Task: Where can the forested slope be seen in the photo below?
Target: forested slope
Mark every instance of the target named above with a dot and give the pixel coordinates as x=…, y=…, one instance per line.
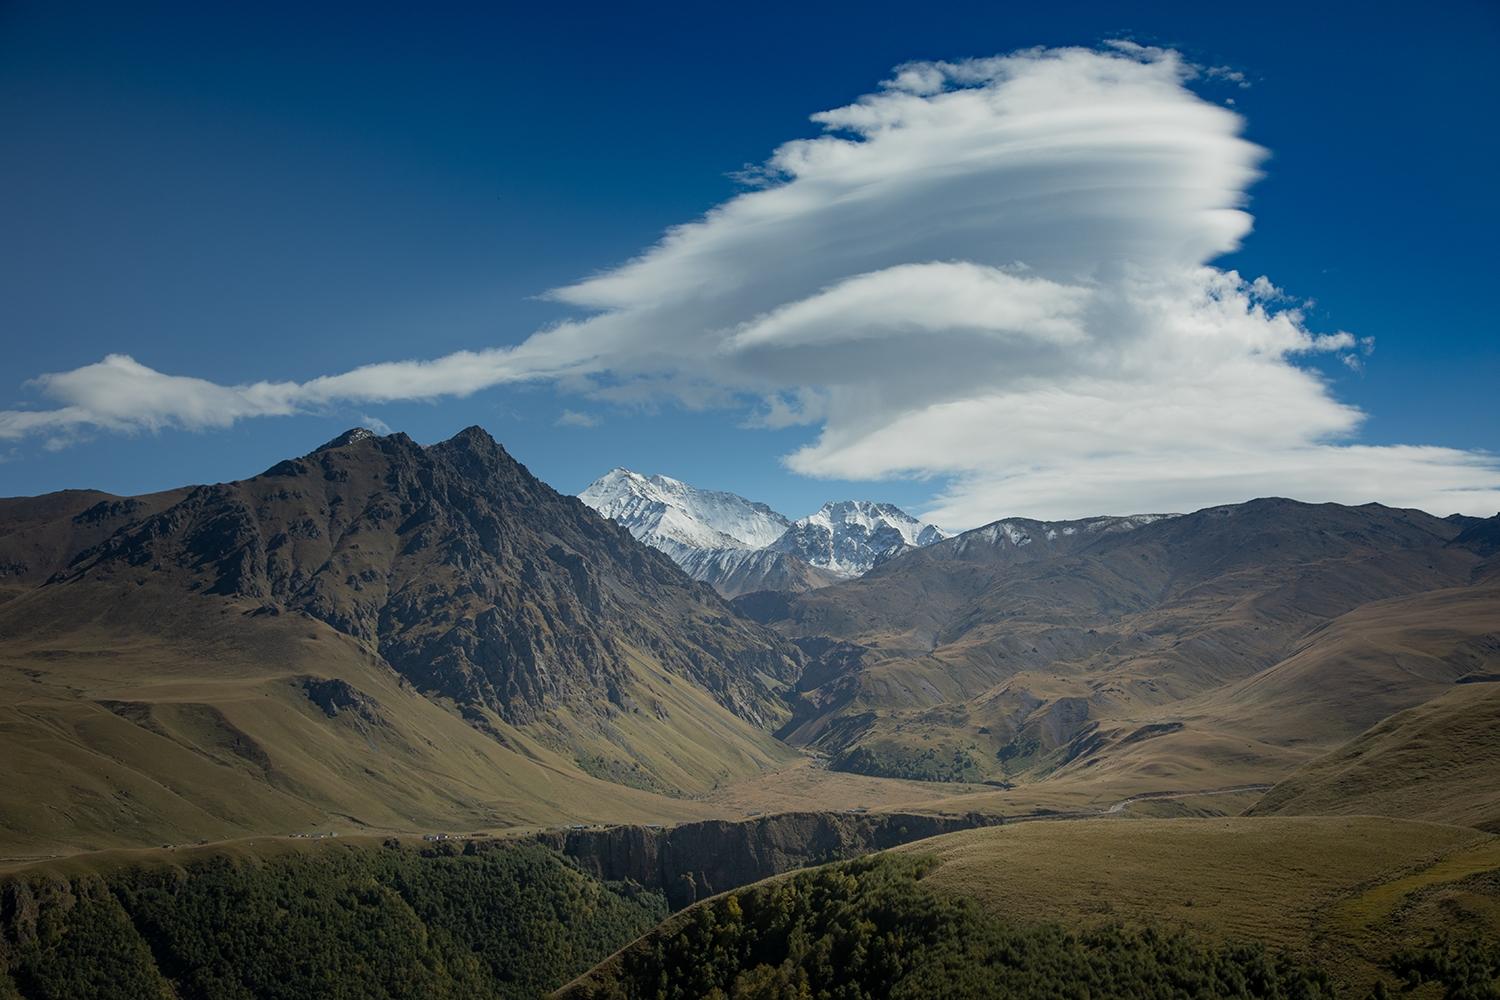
x=503, y=920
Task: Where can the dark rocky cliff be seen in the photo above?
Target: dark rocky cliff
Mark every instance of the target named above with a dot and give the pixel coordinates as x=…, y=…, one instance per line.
x=696, y=860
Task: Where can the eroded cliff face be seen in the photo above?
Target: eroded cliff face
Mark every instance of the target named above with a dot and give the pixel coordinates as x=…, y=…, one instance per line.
x=696, y=860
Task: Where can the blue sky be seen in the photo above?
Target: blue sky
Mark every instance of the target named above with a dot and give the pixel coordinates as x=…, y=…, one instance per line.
x=271, y=194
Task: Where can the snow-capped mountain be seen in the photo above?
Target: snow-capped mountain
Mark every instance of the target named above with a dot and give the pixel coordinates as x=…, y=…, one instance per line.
x=739, y=546
x=851, y=537
x=682, y=520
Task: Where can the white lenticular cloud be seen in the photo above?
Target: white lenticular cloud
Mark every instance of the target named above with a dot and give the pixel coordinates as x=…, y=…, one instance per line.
x=997, y=271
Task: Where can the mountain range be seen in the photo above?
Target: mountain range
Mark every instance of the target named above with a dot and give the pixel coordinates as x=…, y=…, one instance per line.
x=382, y=635
x=739, y=546
x=1226, y=644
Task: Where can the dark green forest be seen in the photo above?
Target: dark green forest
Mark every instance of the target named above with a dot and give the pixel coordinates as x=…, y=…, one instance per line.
x=927, y=764
x=869, y=929
x=363, y=923
x=1466, y=967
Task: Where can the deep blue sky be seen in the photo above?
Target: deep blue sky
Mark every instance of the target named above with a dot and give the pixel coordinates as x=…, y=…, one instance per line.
x=264, y=192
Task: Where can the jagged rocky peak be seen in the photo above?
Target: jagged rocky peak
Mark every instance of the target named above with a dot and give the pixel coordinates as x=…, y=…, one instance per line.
x=851, y=537
x=475, y=580
x=353, y=435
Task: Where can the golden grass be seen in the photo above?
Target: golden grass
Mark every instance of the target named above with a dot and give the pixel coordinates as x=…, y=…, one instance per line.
x=807, y=784
x=204, y=733
x=1326, y=886
x=1381, y=901
x=1438, y=762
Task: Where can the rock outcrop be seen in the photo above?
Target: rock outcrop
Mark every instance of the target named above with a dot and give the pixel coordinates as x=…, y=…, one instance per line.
x=696, y=860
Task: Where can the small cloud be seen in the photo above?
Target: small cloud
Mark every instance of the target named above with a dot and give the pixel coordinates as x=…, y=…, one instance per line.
x=375, y=424
x=1352, y=362
x=1340, y=341
x=1145, y=53
x=573, y=418
x=1228, y=74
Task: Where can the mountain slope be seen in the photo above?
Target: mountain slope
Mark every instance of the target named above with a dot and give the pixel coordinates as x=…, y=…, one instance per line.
x=1436, y=762
x=476, y=581
x=326, y=631
x=983, y=658
x=39, y=536
x=920, y=592
x=736, y=572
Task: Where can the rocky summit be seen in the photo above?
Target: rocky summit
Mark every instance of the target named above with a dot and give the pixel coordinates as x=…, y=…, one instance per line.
x=473, y=579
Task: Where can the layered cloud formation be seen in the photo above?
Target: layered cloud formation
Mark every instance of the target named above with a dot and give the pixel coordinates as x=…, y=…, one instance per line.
x=996, y=271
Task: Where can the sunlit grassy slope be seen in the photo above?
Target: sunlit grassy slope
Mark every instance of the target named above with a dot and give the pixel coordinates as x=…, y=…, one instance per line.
x=1439, y=761
x=1345, y=891
x=203, y=728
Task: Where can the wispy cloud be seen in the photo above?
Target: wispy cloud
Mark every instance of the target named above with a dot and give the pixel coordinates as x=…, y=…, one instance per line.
x=375, y=424
x=995, y=270
x=576, y=418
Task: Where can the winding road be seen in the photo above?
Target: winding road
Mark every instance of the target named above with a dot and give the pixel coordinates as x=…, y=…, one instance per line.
x=1148, y=796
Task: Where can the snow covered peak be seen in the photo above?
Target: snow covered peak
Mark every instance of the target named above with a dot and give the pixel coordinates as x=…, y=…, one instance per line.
x=851, y=537
x=738, y=545
x=871, y=516
x=673, y=516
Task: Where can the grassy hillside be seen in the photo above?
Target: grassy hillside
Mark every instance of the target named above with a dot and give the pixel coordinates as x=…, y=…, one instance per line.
x=1348, y=893
x=213, y=726
x=1437, y=762
x=1344, y=676
x=510, y=920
